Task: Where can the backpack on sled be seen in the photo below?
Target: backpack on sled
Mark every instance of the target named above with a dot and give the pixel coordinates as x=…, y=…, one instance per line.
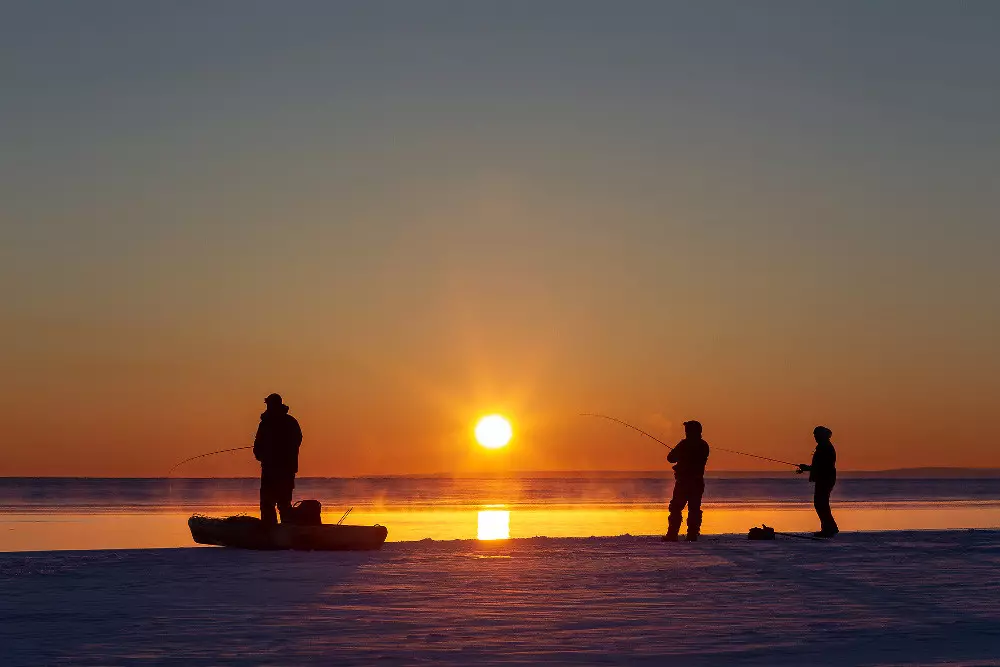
x=306, y=513
x=762, y=533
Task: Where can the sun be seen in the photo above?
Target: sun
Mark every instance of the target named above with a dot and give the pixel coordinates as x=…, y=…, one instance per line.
x=493, y=432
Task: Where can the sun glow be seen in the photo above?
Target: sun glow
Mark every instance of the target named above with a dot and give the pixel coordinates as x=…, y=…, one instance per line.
x=493, y=432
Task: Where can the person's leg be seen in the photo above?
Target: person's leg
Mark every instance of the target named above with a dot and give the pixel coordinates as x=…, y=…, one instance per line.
x=267, y=513
x=677, y=502
x=821, y=501
x=694, y=510
x=284, y=502
x=829, y=524
x=818, y=502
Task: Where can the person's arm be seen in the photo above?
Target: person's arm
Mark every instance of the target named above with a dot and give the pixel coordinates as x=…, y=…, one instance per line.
x=675, y=454
x=825, y=460
x=806, y=467
x=258, y=444
x=293, y=442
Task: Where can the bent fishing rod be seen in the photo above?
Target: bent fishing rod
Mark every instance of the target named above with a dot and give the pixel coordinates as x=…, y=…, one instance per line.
x=653, y=437
x=201, y=456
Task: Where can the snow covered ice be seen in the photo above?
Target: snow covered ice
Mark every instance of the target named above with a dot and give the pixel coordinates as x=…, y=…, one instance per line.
x=891, y=598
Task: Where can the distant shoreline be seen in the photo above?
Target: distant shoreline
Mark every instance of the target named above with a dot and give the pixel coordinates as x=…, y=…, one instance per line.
x=894, y=473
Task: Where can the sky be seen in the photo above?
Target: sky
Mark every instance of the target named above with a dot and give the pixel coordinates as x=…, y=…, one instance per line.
x=403, y=216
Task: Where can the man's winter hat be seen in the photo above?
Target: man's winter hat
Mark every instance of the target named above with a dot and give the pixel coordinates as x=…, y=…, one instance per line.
x=822, y=432
x=693, y=425
x=273, y=399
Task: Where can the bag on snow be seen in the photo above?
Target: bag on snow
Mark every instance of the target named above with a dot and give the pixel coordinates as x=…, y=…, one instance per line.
x=762, y=533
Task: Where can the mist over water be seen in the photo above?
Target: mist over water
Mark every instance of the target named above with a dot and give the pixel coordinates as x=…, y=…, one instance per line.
x=65, y=494
x=74, y=513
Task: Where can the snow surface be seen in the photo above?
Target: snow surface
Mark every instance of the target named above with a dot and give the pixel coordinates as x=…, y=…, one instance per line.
x=893, y=598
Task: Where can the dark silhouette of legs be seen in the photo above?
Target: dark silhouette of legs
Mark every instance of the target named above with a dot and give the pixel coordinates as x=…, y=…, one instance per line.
x=284, y=507
x=275, y=492
x=821, y=501
x=685, y=493
x=267, y=503
x=694, y=510
x=677, y=502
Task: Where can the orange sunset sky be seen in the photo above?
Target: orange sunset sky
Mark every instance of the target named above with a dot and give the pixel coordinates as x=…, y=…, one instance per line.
x=403, y=220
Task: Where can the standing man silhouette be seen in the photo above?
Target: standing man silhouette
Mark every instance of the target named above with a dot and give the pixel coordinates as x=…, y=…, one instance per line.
x=276, y=446
x=689, y=457
x=823, y=473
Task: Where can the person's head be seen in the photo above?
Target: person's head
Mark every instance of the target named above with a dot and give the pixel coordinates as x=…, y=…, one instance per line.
x=822, y=434
x=692, y=429
x=273, y=401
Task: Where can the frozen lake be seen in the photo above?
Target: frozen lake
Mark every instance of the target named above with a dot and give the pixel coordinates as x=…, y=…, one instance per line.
x=891, y=598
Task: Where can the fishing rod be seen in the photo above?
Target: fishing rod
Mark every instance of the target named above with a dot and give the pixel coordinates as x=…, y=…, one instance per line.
x=626, y=424
x=201, y=456
x=722, y=449
x=345, y=516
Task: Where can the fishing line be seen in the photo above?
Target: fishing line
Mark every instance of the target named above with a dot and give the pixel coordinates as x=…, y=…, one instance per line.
x=721, y=449
x=200, y=456
x=626, y=424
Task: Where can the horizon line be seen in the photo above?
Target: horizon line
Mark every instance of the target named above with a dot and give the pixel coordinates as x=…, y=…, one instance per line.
x=937, y=471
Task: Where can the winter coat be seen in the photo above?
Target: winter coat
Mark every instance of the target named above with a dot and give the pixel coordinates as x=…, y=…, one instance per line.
x=823, y=469
x=276, y=445
x=689, y=456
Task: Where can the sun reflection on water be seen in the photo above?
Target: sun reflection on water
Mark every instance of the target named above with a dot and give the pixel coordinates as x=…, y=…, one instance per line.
x=493, y=525
x=44, y=530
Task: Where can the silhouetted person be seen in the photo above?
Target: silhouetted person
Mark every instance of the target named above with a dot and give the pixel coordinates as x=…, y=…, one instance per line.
x=689, y=458
x=276, y=446
x=823, y=473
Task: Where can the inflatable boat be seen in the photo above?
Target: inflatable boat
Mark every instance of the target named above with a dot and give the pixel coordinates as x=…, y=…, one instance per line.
x=247, y=532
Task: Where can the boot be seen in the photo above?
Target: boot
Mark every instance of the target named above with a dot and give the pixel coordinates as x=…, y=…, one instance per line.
x=692, y=537
x=673, y=528
x=827, y=529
